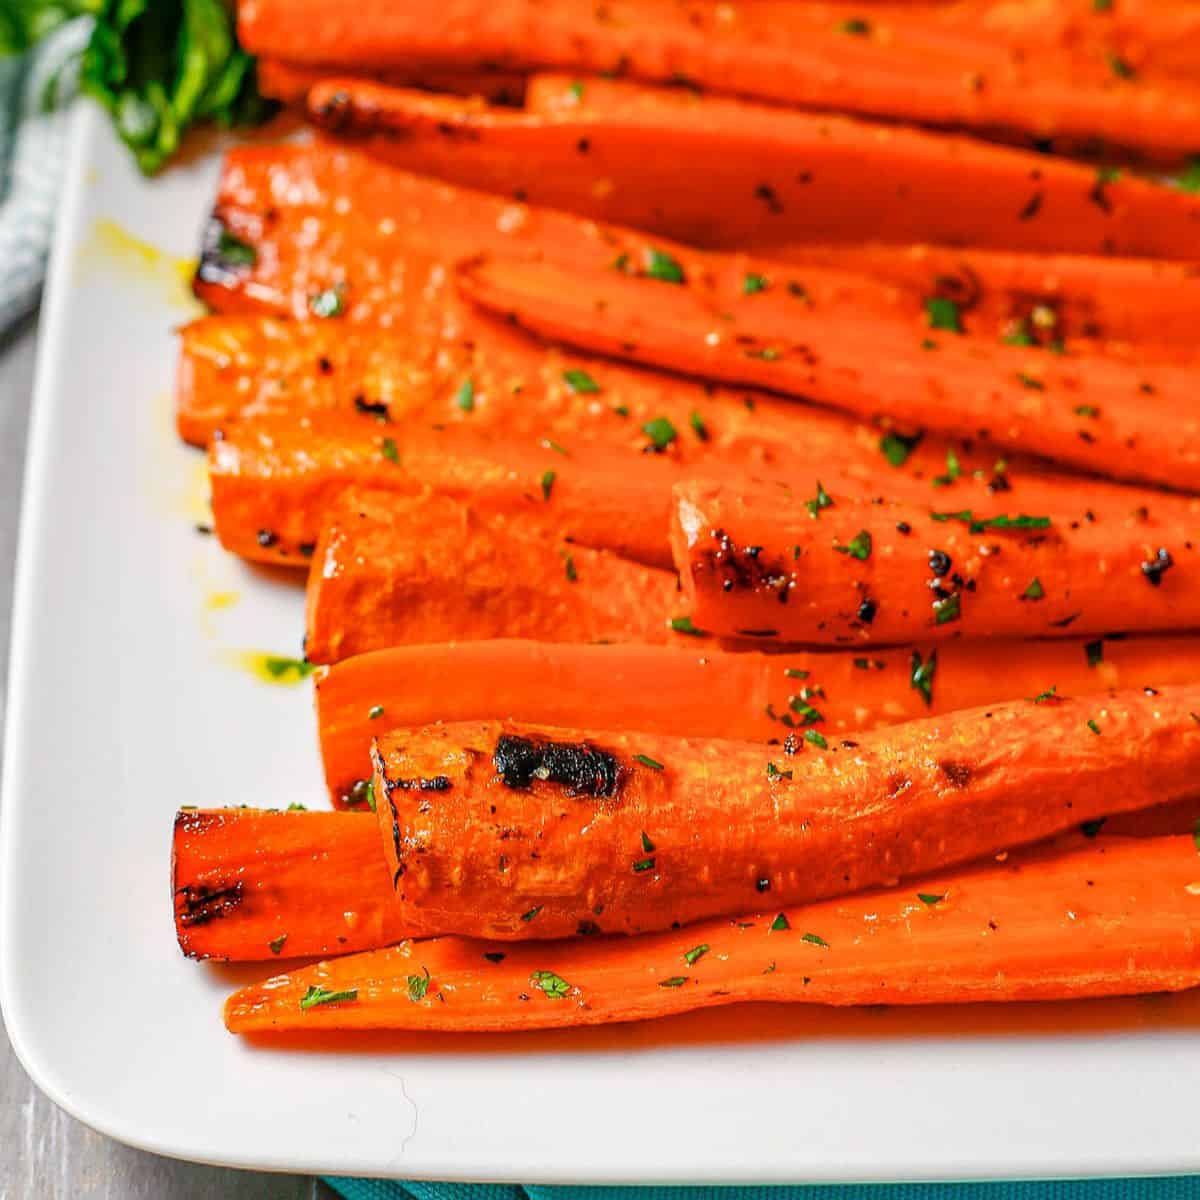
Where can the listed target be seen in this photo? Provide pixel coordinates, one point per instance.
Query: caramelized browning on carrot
(250, 884)
(904, 65)
(710, 693)
(843, 571)
(290, 83)
(1099, 414)
(1101, 918)
(506, 830)
(723, 173)
(392, 570)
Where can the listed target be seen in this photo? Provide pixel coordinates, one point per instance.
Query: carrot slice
(393, 570)
(1102, 918)
(505, 830)
(249, 884)
(1101, 415)
(760, 565)
(705, 692)
(907, 66)
(723, 173)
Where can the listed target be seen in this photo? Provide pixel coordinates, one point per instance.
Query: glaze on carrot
(1103, 415)
(1088, 919)
(851, 571)
(394, 570)
(498, 829)
(697, 691)
(729, 174)
(250, 885)
(903, 66)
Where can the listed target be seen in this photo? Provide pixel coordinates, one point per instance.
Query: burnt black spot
(898, 784)
(763, 885)
(335, 113)
(958, 773)
(766, 193)
(1157, 567)
(867, 610)
(199, 904)
(584, 770)
(370, 409)
(266, 538)
(427, 783)
(939, 562)
(742, 568)
(1032, 208)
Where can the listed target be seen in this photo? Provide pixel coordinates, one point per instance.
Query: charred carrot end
(1104, 918)
(665, 819)
(250, 884)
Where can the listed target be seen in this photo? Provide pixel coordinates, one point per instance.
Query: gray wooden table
(43, 1152)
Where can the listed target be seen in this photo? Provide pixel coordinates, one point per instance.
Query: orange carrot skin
(393, 570)
(1103, 918)
(1093, 413)
(632, 832)
(290, 84)
(250, 884)
(632, 155)
(701, 692)
(905, 69)
(884, 573)
(273, 483)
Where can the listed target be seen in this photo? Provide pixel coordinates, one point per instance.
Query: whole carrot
(779, 567)
(730, 174)
(505, 830)
(1101, 918)
(1099, 414)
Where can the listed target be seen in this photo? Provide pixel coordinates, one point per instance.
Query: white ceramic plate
(127, 701)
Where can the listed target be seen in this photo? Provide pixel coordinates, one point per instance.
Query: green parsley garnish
(318, 995)
(773, 772)
(647, 844)
(569, 567)
(464, 398)
(660, 265)
(1189, 179)
(645, 864)
(801, 707)
(1034, 591)
(684, 625)
(1030, 382)
(1049, 696)
(855, 26)
(698, 426)
(276, 944)
(953, 470)
(1196, 835)
(374, 712)
(897, 448)
(979, 524)
(533, 912)
(1093, 726)
(389, 451)
(780, 924)
(795, 673)
(550, 984)
(580, 382)
(816, 738)
(279, 666)
(869, 664)
(767, 354)
(821, 500)
(858, 547)
(947, 609)
(930, 898)
(233, 252)
(418, 985)
(576, 89)
(1120, 67)
(647, 761)
(661, 433)
(674, 981)
(816, 939)
(329, 303)
(943, 314)
(921, 674)
(695, 953)
(548, 479)
(752, 283)
(1086, 410)
(1095, 652)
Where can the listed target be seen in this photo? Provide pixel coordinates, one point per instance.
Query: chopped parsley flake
(773, 772)
(698, 426)
(953, 471)
(1093, 726)
(533, 912)
(1029, 381)
(418, 985)
(943, 314)
(275, 945)
(233, 252)
(821, 500)
(684, 625)
(661, 266)
(389, 451)
(897, 448)
(329, 303)
(645, 864)
(801, 707)
(464, 398)
(780, 924)
(1086, 410)
(647, 761)
(375, 712)
(795, 673)
(858, 547)
(979, 524)
(816, 738)
(1049, 696)
(548, 484)
(1034, 591)
(661, 433)
(279, 666)
(569, 567)
(580, 382)
(1189, 179)
(318, 995)
(550, 984)
(816, 939)
(855, 26)
(576, 89)
(930, 898)
(947, 609)
(922, 673)
(753, 282)
(647, 844)
(674, 981)
(695, 953)
(1120, 67)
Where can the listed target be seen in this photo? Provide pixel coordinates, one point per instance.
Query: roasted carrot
(730, 174)
(706, 692)
(392, 570)
(290, 83)
(1103, 415)
(907, 68)
(1102, 918)
(1036, 299)
(249, 884)
(775, 567)
(506, 830)
(273, 482)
